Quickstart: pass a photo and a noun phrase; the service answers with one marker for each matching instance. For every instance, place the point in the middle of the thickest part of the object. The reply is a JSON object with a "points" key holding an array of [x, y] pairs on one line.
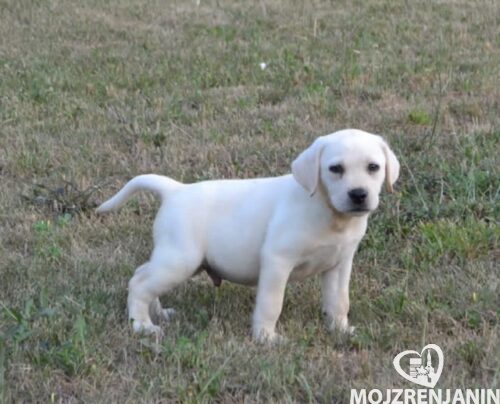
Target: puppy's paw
{"points": [[268, 337], [148, 328], [158, 313], [278, 339], [340, 325], [168, 313], [347, 330]]}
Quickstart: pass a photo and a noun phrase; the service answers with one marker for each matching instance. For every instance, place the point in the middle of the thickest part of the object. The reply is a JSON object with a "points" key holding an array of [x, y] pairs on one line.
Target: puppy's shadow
{"points": [[202, 306], [228, 309]]}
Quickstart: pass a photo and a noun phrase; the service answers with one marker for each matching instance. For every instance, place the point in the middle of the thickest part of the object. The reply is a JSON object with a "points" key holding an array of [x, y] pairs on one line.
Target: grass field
{"points": [[93, 93]]}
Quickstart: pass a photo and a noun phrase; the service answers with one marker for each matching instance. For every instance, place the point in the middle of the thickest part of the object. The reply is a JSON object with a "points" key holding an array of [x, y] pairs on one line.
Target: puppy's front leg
{"points": [[335, 288], [273, 278]]}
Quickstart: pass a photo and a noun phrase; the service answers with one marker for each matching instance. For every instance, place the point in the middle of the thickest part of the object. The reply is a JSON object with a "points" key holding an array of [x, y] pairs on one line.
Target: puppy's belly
{"points": [[239, 262], [242, 268], [235, 266], [235, 256], [234, 239]]}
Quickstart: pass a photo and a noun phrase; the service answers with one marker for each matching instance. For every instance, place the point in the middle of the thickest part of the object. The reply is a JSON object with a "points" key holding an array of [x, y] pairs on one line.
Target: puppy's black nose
{"points": [[358, 195]]}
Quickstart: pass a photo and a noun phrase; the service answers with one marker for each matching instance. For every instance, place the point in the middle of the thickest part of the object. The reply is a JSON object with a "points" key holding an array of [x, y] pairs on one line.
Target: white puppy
{"points": [[265, 231]]}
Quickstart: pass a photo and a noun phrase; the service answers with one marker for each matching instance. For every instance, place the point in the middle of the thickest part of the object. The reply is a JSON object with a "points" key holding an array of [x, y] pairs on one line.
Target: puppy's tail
{"points": [[158, 184]]}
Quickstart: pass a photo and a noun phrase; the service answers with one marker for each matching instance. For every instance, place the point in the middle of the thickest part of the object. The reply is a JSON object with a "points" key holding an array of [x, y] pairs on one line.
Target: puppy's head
{"points": [[351, 165]]}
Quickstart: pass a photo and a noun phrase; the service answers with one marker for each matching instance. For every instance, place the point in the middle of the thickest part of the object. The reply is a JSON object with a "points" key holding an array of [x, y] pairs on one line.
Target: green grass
{"points": [[93, 93]]}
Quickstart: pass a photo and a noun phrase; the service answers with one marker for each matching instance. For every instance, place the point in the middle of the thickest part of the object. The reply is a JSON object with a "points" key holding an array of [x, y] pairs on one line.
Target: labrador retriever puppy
{"points": [[265, 231]]}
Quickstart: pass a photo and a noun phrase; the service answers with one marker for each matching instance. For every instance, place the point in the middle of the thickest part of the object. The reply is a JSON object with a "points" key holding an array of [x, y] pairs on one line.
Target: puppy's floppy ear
{"points": [[305, 168], [391, 166]]}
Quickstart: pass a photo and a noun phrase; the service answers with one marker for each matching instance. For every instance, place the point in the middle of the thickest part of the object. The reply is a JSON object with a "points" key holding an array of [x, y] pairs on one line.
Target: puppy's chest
{"points": [[319, 260]]}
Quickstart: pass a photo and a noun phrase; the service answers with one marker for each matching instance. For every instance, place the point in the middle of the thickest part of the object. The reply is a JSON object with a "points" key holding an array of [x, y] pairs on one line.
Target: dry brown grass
{"points": [[94, 93]]}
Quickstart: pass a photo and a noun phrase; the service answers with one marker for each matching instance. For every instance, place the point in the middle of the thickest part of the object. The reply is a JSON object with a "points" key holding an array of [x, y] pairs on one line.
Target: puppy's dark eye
{"points": [[372, 167], [336, 169]]}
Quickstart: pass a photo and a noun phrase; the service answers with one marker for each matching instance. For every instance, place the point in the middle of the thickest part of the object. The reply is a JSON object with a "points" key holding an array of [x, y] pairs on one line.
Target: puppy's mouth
{"points": [[359, 210], [351, 209]]}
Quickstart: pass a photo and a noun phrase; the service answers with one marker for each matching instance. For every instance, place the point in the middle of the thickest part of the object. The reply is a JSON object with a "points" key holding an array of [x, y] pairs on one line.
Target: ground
{"points": [[93, 93]]}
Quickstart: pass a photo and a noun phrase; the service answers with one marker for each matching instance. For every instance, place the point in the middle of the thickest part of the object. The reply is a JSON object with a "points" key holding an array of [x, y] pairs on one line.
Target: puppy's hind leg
{"points": [[156, 312], [166, 269]]}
